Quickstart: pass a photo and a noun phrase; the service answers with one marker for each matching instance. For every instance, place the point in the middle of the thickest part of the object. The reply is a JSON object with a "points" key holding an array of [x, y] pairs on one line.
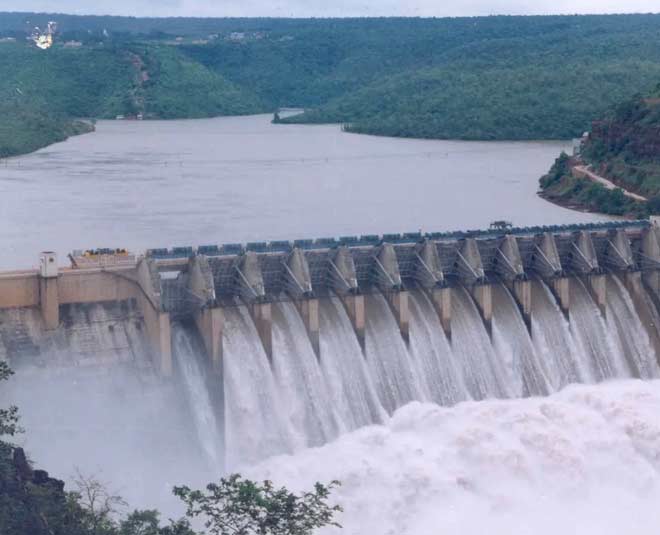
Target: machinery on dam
{"points": [[186, 283]]}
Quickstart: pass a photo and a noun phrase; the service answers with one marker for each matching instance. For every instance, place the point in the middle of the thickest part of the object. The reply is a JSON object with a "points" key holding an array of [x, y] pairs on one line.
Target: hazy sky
{"points": [[304, 8]]}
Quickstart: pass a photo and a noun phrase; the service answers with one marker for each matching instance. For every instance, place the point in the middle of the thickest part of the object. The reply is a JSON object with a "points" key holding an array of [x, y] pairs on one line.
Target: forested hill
{"points": [[464, 78], [623, 147]]}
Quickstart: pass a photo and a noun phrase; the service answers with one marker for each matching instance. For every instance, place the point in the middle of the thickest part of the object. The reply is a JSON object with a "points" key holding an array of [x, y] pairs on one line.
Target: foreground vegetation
{"points": [[623, 147], [472, 78], [33, 503]]}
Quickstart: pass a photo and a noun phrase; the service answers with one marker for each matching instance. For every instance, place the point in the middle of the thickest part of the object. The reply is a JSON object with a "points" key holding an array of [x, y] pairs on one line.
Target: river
{"points": [[237, 179]]}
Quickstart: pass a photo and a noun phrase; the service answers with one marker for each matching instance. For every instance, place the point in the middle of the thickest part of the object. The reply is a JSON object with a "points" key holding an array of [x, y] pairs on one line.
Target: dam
{"points": [[286, 344]]}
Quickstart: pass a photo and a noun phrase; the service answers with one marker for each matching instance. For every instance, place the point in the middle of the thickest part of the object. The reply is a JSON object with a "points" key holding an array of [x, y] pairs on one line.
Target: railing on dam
{"points": [[368, 240]]}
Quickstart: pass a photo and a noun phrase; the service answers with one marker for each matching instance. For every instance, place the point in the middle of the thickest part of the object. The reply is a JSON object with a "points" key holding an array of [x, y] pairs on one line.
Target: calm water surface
{"points": [[159, 184]]}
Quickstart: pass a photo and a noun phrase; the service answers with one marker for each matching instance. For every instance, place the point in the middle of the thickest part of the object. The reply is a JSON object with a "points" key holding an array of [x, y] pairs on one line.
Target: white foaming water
{"points": [[584, 461], [187, 355], [278, 408], [514, 346], [350, 387], [622, 317], [562, 356], [255, 427], [430, 347], [602, 344], [304, 393], [484, 372], [395, 374]]}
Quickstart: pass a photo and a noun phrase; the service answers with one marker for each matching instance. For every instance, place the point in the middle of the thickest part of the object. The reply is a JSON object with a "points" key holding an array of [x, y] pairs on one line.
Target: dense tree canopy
{"points": [[464, 78]]}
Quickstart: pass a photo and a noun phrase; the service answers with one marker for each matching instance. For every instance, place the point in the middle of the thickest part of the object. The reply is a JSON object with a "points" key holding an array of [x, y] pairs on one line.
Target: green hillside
{"points": [[43, 91], [465, 78], [26, 128], [624, 147]]}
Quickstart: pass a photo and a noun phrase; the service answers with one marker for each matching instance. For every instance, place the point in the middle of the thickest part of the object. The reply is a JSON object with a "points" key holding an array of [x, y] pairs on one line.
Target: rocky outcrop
{"points": [[31, 502]]}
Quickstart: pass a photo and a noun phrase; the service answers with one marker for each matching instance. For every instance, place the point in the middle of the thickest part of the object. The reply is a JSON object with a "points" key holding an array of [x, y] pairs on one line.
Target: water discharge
{"points": [[602, 343], [526, 375], [188, 354], [255, 427], [563, 357], [396, 375], [350, 386], [431, 349], [354, 413], [305, 398], [585, 460], [623, 319], [485, 374]]}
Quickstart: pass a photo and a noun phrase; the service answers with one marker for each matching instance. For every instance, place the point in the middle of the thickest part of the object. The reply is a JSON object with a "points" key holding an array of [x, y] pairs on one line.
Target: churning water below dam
{"points": [[93, 413]]}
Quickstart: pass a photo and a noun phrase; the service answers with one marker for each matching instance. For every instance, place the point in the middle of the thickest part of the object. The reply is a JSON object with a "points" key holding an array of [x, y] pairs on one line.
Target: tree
{"points": [[238, 506], [147, 523], [98, 505], [8, 416]]}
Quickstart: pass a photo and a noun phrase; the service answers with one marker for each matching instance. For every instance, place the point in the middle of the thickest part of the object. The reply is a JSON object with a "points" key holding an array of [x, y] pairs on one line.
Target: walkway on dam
{"points": [[583, 171]]}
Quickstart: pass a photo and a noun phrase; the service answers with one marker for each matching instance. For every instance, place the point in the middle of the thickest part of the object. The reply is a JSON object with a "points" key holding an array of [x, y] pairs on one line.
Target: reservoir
{"points": [[237, 179]]}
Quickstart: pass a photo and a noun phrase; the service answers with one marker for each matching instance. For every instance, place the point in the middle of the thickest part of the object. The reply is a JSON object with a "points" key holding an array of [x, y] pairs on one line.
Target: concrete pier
{"points": [[635, 286], [429, 275], [49, 300], [511, 269], [299, 287], [470, 267], [471, 272], [354, 305], [441, 298], [619, 254], [584, 258], [650, 259], [156, 321], [561, 288], [210, 324], [483, 297], [253, 291], [309, 312], [390, 284], [263, 320], [343, 277], [597, 285], [545, 259], [522, 292]]}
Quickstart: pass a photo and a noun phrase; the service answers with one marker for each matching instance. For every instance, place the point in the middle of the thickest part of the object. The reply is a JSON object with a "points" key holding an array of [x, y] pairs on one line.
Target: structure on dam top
{"points": [[196, 284]]}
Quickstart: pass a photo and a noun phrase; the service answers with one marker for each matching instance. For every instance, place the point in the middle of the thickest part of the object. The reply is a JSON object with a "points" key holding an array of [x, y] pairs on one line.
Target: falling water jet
{"points": [[430, 347]]}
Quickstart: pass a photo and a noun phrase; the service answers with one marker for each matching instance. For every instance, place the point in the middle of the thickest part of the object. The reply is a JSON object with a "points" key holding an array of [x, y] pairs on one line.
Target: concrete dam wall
{"points": [[276, 346]]}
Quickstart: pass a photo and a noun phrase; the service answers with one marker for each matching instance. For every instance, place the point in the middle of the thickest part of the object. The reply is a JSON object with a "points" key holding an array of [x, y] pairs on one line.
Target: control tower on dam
{"points": [[197, 285]]}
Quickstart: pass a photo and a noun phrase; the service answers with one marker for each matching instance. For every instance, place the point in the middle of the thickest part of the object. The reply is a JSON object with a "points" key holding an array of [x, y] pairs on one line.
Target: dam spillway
{"points": [[282, 345]]}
